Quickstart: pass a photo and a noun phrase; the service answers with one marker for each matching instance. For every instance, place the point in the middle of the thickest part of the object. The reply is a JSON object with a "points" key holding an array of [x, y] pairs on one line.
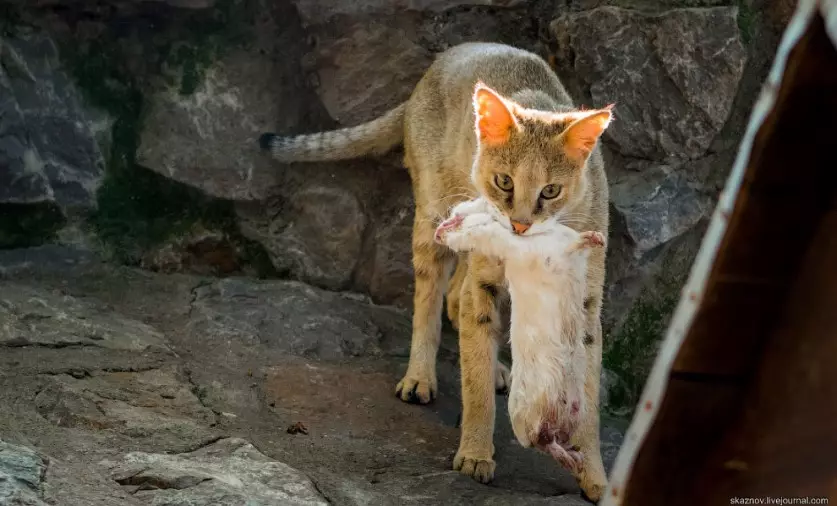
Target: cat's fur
{"points": [[485, 115], [546, 274]]}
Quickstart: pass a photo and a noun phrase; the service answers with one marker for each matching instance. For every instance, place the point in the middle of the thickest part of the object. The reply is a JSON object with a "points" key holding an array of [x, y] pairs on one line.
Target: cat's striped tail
{"points": [[373, 138]]}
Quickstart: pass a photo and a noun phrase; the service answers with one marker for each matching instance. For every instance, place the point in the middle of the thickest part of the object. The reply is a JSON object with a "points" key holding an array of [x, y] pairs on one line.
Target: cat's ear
{"points": [[580, 137], [494, 119]]}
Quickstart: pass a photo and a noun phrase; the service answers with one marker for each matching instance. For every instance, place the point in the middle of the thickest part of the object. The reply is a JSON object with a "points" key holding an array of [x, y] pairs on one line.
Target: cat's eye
{"points": [[504, 182], [551, 191]]}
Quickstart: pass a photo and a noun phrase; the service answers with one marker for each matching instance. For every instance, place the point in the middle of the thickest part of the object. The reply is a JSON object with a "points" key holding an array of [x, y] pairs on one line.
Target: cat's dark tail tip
{"points": [[266, 140]]}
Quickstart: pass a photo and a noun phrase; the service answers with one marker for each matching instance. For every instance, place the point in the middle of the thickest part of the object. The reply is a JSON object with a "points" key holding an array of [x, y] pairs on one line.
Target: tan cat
{"points": [[491, 120]]}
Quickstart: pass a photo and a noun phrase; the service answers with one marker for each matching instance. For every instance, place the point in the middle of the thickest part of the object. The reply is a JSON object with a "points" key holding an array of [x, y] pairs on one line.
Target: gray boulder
{"points": [[364, 69], [318, 235], [673, 76], [229, 472], [292, 317], [22, 472], [35, 317], [657, 205], [49, 141], [207, 139]]}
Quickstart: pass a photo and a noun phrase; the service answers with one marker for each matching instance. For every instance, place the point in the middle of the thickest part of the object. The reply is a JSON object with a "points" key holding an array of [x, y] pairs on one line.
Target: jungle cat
{"points": [[494, 121]]}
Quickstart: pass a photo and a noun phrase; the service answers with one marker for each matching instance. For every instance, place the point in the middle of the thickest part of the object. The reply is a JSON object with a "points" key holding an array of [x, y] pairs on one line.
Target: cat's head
{"points": [[529, 163]]}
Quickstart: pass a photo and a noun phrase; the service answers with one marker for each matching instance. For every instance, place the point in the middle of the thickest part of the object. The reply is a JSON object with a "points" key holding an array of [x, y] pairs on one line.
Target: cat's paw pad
{"points": [[479, 468], [415, 389]]}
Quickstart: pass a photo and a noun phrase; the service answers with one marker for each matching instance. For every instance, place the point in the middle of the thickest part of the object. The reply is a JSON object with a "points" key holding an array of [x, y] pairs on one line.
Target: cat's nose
{"points": [[519, 227]]}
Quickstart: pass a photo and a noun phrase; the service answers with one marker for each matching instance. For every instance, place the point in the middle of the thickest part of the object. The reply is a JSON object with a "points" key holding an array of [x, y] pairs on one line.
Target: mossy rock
{"points": [[630, 351], [136, 207]]}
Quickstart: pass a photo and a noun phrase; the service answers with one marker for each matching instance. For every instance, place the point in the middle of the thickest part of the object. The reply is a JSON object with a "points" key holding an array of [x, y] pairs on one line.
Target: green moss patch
{"points": [[136, 207], [206, 37], [746, 21], [631, 351]]}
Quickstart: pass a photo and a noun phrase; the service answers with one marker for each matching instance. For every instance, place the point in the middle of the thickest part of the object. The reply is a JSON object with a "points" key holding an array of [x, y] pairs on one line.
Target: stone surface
{"points": [[33, 317], [207, 137], [248, 360], [21, 262], [657, 206], [339, 226], [158, 401], [189, 4], [291, 317], [22, 472], [320, 11], [198, 251], [214, 130], [184, 4], [611, 387], [317, 237], [387, 270], [228, 472], [365, 69], [673, 76], [49, 140], [654, 213]]}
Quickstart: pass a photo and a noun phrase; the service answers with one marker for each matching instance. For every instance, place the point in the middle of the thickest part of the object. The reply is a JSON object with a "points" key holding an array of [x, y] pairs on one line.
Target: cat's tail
{"points": [[373, 138]]}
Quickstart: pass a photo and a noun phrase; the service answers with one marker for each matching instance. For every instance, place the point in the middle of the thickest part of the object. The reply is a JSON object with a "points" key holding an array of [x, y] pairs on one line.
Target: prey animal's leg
{"points": [[478, 233], [502, 378], [431, 263], [590, 239], [569, 458]]}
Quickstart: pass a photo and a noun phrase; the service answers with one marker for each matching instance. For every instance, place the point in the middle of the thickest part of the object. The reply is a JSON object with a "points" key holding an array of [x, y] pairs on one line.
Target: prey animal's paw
{"points": [[449, 225], [502, 379], [569, 457], [480, 468], [415, 389], [592, 239]]}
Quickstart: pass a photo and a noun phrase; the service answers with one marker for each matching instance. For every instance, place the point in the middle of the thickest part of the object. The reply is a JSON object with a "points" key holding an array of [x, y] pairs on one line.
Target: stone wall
{"points": [[131, 127]]}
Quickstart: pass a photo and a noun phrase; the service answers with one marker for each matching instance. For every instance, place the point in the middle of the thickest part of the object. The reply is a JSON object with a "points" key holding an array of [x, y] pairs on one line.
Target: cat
{"points": [[495, 121], [546, 275]]}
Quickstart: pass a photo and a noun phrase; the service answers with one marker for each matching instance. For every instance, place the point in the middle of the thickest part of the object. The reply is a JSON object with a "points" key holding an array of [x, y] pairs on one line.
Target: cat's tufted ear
{"points": [[494, 119], [580, 137]]}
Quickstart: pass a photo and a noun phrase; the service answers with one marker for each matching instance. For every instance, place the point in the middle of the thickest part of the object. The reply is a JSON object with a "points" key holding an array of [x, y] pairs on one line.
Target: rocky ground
{"points": [[120, 386], [130, 127], [241, 298]]}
